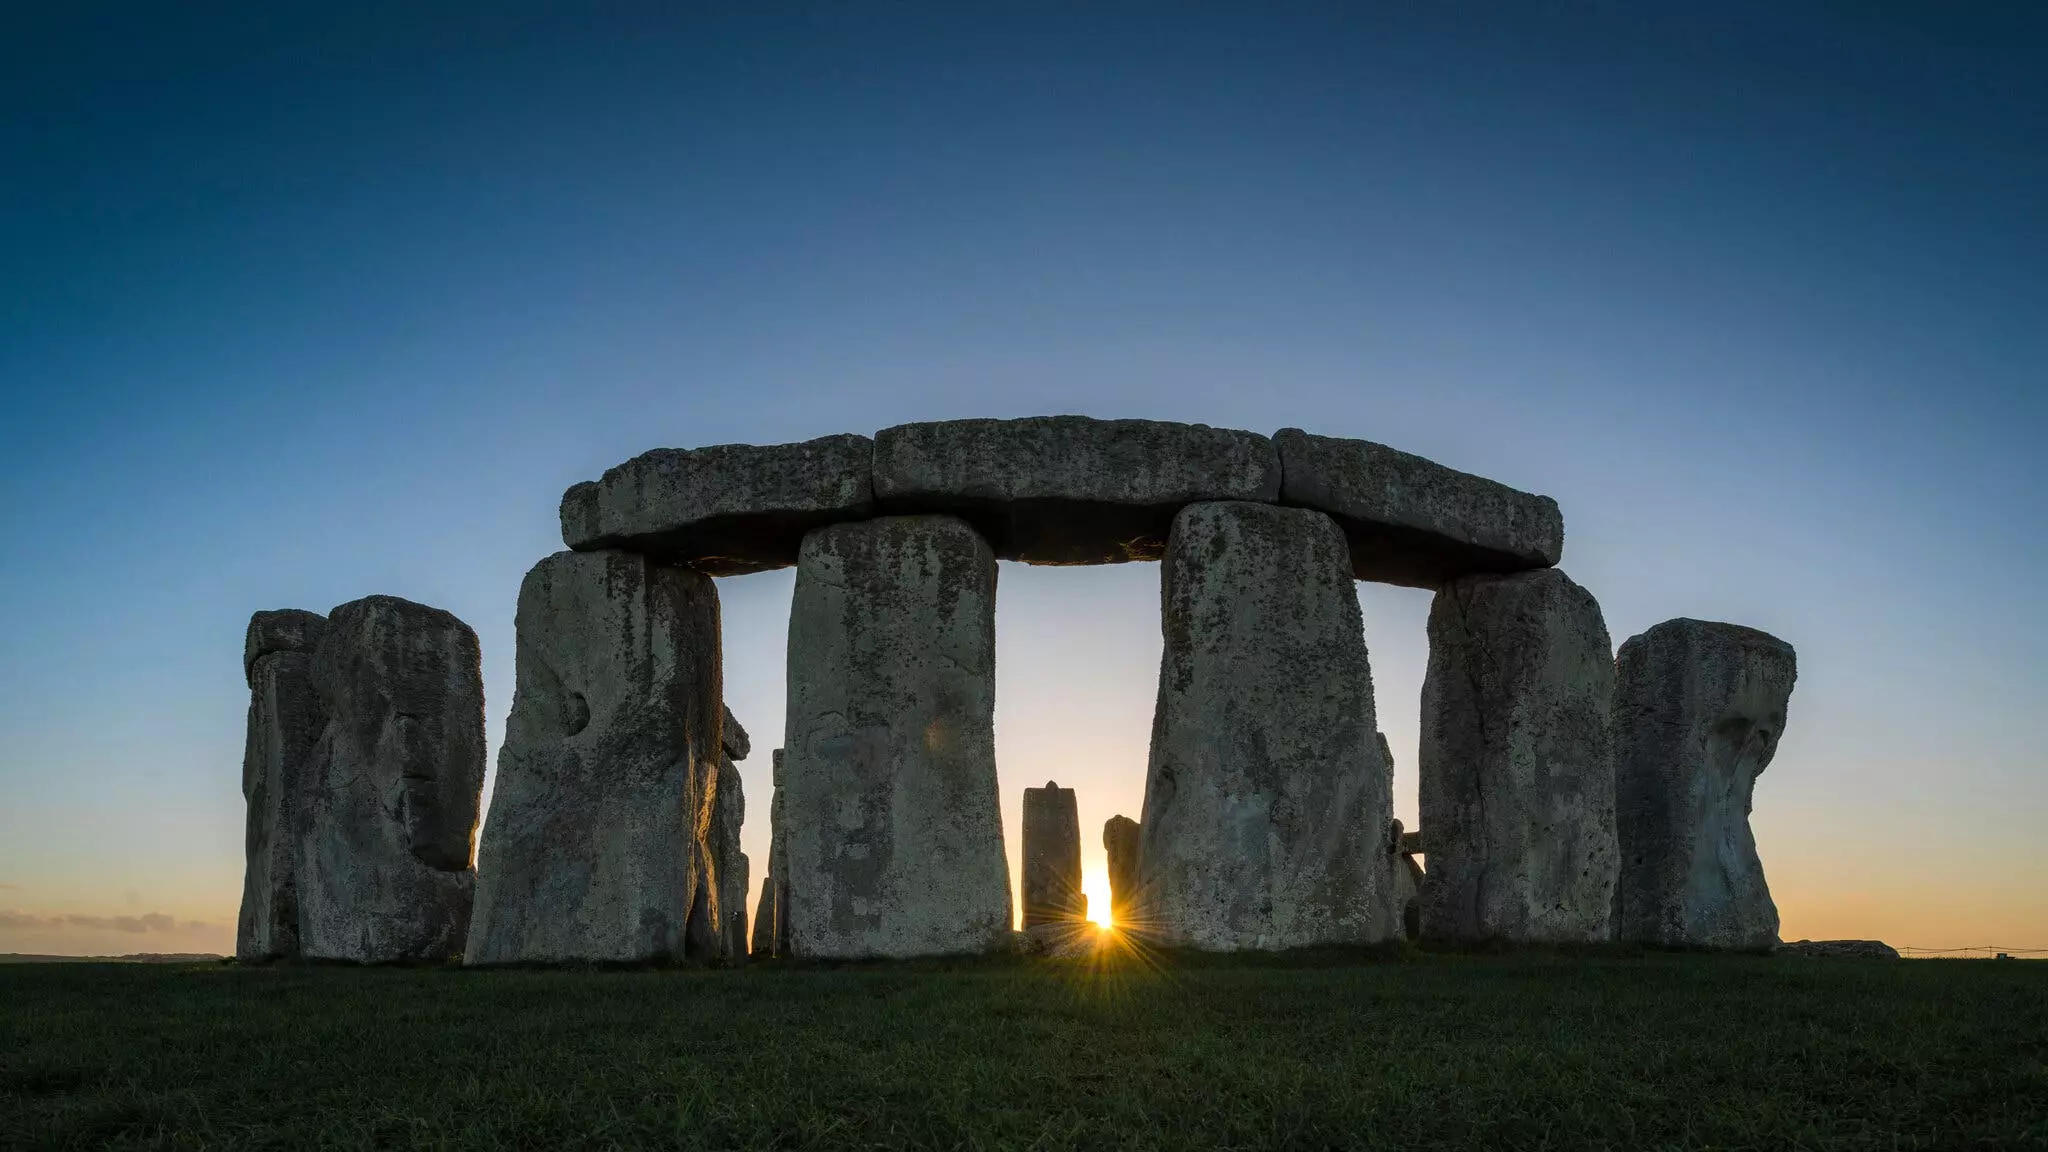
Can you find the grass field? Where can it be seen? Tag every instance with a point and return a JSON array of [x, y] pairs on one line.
[[1410, 1052]]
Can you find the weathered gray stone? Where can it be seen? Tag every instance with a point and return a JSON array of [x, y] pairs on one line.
[[1859, 949], [285, 722], [1266, 802], [1411, 842], [1120, 840], [1517, 787], [734, 737], [763, 938], [778, 861], [1070, 489], [605, 782], [729, 865], [1052, 857], [386, 872], [1413, 521], [1404, 876], [888, 806], [1698, 710], [723, 510]]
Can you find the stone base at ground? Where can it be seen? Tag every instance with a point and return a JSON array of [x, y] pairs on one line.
[[1862, 949]]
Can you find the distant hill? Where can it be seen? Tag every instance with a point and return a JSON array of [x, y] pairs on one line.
[[130, 958]]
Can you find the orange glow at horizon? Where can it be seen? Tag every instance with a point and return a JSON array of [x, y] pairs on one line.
[[1095, 885]]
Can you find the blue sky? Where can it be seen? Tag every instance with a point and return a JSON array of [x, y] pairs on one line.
[[297, 306]]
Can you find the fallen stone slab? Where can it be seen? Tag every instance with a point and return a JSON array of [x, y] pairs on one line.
[[386, 870], [594, 845], [1052, 857], [724, 510], [1859, 949], [1698, 711], [1517, 783], [888, 807], [1267, 804], [1413, 521], [286, 718], [1070, 489]]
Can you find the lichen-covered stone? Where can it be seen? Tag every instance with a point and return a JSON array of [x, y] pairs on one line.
[[729, 865], [726, 509], [1052, 857], [1413, 521], [285, 722], [1517, 786], [1698, 711], [604, 793], [888, 808], [1070, 489], [1266, 802], [1120, 839], [386, 869]]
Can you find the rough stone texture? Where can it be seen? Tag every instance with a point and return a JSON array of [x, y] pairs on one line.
[[1404, 876], [1052, 857], [889, 810], [605, 781], [729, 865], [733, 737], [763, 939], [1411, 842], [733, 882], [778, 860], [1070, 489], [1517, 787], [723, 510], [386, 872], [1698, 711], [1413, 521], [1862, 949], [285, 722], [1120, 839], [1266, 802]]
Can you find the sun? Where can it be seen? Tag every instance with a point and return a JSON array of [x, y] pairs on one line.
[[1095, 885]]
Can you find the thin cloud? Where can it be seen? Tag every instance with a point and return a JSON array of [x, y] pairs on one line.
[[12, 920]]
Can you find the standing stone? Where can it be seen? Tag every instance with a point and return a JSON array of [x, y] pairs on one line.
[[1266, 802], [1517, 789], [1052, 858], [386, 872], [729, 864], [602, 799], [778, 855], [285, 721], [1698, 711], [763, 941], [1120, 838], [889, 808]]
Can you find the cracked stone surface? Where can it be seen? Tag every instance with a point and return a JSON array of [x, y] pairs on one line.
[[1517, 787], [1052, 857], [606, 786], [285, 722], [1070, 489], [386, 870], [888, 808], [1267, 804], [723, 510], [1699, 708], [1413, 521]]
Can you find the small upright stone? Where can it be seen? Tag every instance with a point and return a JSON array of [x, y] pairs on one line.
[[1698, 711], [729, 864], [285, 722], [1052, 857], [1517, 789], [602, 802], [386, 873], [888, 805], [1120, 839], [1266, 801]]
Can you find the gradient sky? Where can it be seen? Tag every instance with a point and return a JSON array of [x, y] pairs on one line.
[[298, 306]]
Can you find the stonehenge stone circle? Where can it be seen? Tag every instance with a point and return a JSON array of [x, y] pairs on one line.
[[594, 845], [723, 510], [1413, 521], [1120, 838], [1070, 489], [285, 722], [889, 812], [386, 870], [1266, 803], [1698, 711], [1517, 787], [1052, 857]]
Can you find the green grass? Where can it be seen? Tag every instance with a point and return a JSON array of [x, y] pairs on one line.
[[1410, 1052]]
